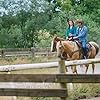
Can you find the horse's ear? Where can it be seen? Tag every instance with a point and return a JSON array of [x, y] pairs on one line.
[[55, 36], [60, 41]]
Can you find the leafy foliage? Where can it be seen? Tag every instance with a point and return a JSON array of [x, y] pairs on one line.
[[27, 23]]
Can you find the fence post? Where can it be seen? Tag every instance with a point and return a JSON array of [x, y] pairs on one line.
[[33, 51], [2, 54], [62, 69]]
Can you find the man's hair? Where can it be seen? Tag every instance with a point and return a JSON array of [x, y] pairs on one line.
[[79, 21]]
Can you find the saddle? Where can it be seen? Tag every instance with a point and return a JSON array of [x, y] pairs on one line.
[[88, 45]]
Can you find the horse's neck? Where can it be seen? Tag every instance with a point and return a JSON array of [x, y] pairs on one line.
[[68, 46], [60, 39]]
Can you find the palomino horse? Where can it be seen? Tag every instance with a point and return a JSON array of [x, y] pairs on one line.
[[69, 50]]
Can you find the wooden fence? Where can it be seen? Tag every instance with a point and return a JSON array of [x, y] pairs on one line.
[[47, 65], [61, 78], [48, 78], [9, 52]]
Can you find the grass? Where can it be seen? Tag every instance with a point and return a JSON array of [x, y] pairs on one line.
[[80, 90], [27, 60]]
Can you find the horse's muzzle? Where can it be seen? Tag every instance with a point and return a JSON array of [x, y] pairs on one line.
[[53, 50], [61, 57]]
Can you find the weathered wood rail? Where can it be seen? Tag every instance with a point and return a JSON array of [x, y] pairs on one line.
[[51, 78], [47, 65], [9, 52], [48, 78], [62, 78]]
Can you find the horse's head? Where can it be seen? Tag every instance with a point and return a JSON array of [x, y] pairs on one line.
[[61, 51], [54, 43]]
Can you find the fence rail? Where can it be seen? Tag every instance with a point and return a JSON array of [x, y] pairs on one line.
[[6, 90], [33, 92], [51, 78], [47, 65], [25, 52]]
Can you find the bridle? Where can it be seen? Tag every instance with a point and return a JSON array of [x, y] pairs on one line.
[[63, 54]]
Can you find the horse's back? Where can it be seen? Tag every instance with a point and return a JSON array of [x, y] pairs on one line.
[[70, 44], [95, 45]]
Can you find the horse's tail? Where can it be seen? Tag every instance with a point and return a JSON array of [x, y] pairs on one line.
[[96, 46]]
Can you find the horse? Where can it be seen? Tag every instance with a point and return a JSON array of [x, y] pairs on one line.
[[69, 50]]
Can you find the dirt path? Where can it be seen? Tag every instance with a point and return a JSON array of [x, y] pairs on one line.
[[98, 98], [8, 98]]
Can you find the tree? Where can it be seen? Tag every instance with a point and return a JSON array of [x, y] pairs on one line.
[[89, 7], [64, 5], [22, 22]]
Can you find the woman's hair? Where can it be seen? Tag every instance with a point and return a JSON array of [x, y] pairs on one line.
[[71, 21]]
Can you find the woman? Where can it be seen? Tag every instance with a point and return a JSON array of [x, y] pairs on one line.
[[71, 30]]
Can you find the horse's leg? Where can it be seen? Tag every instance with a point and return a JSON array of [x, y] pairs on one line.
[[66, 69], [82, 68], [74, 69], [87, 66], [93, 66]]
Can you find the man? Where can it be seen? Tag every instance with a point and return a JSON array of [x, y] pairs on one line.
[[81, 35]]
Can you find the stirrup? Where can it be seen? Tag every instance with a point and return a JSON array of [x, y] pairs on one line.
[[84, 57]]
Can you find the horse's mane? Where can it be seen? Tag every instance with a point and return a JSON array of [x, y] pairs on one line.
[[58, 39]]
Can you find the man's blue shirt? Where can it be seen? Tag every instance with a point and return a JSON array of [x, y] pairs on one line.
[[81, 33]]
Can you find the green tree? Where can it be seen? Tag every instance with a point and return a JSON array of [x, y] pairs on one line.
[[64, 4], [25, 23]]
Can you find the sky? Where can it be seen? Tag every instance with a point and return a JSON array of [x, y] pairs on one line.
[[13, 5]]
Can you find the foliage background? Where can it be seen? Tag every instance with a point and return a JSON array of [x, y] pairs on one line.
[[32, 23]]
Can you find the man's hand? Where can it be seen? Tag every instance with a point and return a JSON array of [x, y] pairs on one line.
[[70, 35], [75, 38]]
